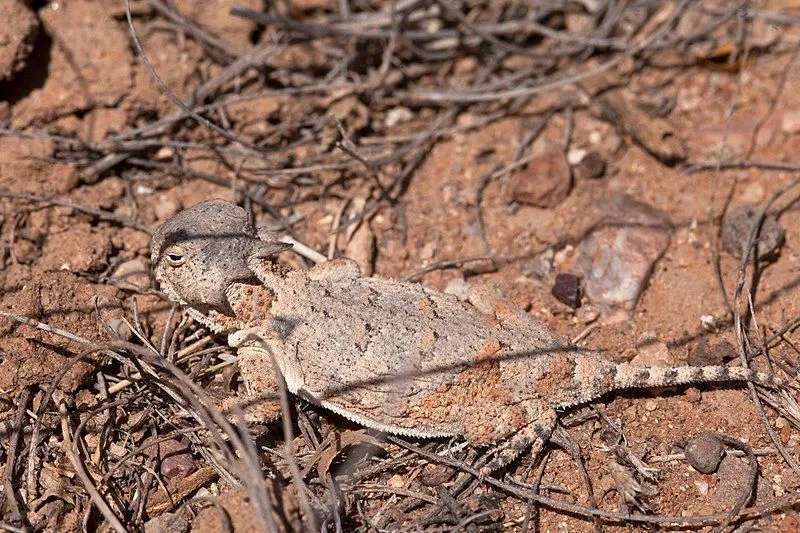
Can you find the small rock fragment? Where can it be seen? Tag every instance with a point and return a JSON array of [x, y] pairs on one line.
[[587, 314], [540, 266], [708, 322], [617, 257], [702, 487], [654, 353], [458, 287], [590, 167], [397, 115], [170, 522], [17, 34], [176, 460], [434, 475], [704, 453], [545, 182], [134, 273], [715, 354], [567, 289], [737, 226], [575, 155]]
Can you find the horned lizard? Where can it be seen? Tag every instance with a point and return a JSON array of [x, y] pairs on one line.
[[394, 356]]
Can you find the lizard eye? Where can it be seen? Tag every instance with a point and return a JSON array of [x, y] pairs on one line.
[[175, 257]]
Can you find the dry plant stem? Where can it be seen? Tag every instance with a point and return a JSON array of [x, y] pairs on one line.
[[288, 438], [208, 417], [99, 213], [779, 166], [448, 263], [11, 460], [173, 97], [565, 441], [180, 356], [31, 485], [217, 48], [71, 450], [303, 249], [741, 335], [608, 516]]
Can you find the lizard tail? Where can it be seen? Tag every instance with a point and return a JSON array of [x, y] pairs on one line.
[[629, 376], [594, 377]]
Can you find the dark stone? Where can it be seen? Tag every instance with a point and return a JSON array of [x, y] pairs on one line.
[[590, 167], [704, 453], [544, 183], [567, 289]]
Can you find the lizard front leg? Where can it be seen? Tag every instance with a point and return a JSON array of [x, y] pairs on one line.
[[261, 400]]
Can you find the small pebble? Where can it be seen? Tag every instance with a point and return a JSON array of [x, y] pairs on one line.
[[708, 322], [587, 314], [704, 453], [590, 167], [434, 475], [563, 255], [702, 487], [398, 115], [567, 289], [736, 228], [458, 287], [575, 155]]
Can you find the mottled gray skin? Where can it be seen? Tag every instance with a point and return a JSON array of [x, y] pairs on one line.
[[390, 355], [209, 245]]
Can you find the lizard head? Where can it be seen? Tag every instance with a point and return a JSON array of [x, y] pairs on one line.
[[198, 253]]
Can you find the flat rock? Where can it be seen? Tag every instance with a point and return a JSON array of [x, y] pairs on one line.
[[17, 34], [617, 256], [90, 63], [545, 182]]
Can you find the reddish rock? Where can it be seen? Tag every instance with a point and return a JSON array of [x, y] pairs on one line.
[[90, 63], [17, 33], [545, 182]]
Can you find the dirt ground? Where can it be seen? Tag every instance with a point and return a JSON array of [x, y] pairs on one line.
[[318, 132]]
